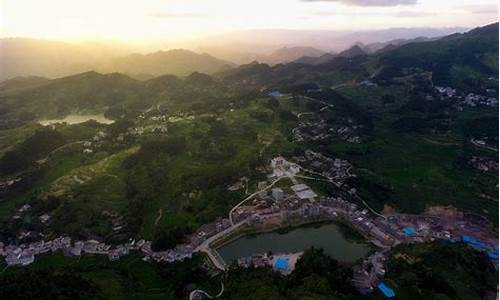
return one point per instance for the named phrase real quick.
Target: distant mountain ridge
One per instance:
(48, 58)
(255, 41)
(177, 62)
(29, 57)
(289, 54)
(457, 60)
(360, 49)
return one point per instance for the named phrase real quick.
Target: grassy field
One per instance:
(242, 144)
(11, 137)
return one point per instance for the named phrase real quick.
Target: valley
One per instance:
(184, 182)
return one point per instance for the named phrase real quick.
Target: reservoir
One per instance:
(76, 119)
(327, 236)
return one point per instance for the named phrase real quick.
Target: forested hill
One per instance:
(28, 99)
(458, 59)
(461, 60)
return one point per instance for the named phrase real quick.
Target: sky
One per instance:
(184, 19)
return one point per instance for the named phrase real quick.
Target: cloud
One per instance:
(480, 9)
(369, 2)
(175, 15)
(399, 14)
(414, 14)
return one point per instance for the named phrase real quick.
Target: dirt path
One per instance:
(439, 143)
(160, 214)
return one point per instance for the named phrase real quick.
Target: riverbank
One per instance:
(291, 239)
(348, 231)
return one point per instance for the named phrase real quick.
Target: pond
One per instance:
(330, 237)
(76, 119)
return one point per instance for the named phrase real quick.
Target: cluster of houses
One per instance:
(447, 92)
(347, 134)
(241, 183)
(332, 168)
(283, 263)
(8, 183)
(470, 99)
(118, 222)
(162, 117)
(370, 272)
(474, 100)
(21, 211)
(320, 130)
(97, 141)
(156, 124)
(484, 164)
(312, 131)
(282, 167)
(140, 130)
(24, 254)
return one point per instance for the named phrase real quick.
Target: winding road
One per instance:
(251, 196)
(197, 291)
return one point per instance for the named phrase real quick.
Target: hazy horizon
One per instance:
(267, 40)
(180, 22)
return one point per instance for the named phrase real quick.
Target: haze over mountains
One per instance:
(28, 57)
(456, 60)
(246, 46)
(32, 57)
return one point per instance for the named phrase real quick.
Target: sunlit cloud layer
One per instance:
(151, 19)
(370, 2)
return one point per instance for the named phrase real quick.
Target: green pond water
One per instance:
(76, 119)
(326, 236)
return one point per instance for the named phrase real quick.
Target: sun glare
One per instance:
(185, 19)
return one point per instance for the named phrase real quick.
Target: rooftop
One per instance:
(306, 194)
(281, 264)
(410, 231)
(387, 291)
(299, 187)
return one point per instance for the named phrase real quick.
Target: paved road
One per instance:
(194, 292)
(319, 101)
(251, 196)
(214, 257)
(484, 146)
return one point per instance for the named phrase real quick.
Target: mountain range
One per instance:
(49, 58)
(458, 60)
(28, 57)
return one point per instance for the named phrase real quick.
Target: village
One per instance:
(274, 207)
(486, 99)
(319, 130)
